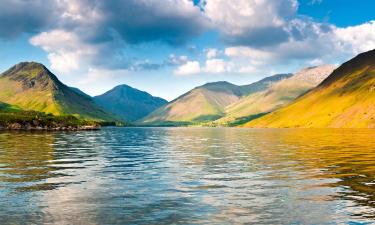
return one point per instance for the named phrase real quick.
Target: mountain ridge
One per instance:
(343, 100)
(129, 103)
(275, 96)
(31, 86)
(204, 103)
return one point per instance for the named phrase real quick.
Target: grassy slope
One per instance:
(10, 114)
(8, 108)
(262, 102)
(206, 103)
(31, 86)
(277, 95)
(345, 99)
(198, 105)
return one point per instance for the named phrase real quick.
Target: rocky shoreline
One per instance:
(29, 127)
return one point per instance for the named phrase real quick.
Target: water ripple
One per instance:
(188, 176)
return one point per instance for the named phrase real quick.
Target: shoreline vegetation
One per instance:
(32, 120)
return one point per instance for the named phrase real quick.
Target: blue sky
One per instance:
(167, 47)
(342, 13)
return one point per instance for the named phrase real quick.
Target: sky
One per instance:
(167, 47)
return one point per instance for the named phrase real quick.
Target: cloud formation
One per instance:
(190, 67)
(262, 34)
(170, 21)
(96, 30)
(255, 34)
(252, 22)
(18, 17)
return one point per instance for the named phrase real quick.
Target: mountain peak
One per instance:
(313, 75)
(122, 86)
(129, 103)
(26, 66)
(124, 90)
(31, 86)
(31, 74)
(343, 100)
(361, 61)
(31, 63)
(217, 83)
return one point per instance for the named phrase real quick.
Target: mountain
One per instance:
(275, 96)
(129, 103)
(263, 83)
(80, 92)
(344, 100)
(205, 103)
(31, 86)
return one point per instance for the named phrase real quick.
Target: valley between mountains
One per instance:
(324, 96)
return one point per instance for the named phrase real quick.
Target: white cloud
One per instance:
(190, 67)
(211, 66)
(258, 22)
(95, 75)
(89, 33)
(359, 38)
(247, 52)
(217, 66)
(264, 33)
(66, 52)
(259, 35)
(238, 17)
(177, 60)
(212, 53)
(312, 43)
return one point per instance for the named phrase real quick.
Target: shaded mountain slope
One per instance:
(129, 103)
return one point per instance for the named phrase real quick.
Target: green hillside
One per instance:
(275, 96)
(31, 86)
(205, 103)
(14, 118)
(8, 108)
(344, 100)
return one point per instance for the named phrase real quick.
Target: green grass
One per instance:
(31, 87)
(8, 108)
(39, 119)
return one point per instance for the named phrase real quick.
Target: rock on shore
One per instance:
(18, 126)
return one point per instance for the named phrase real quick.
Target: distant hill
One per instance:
(31, 86)
(344, 100)
(79, 91)
(205, 103)
(129, 103)
(275, 96)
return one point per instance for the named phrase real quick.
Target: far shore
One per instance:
(28, 127)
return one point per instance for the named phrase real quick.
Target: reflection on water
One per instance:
(188, 175)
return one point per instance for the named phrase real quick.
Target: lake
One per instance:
(188, 176)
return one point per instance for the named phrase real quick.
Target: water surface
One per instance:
(188, 176)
